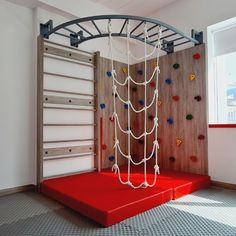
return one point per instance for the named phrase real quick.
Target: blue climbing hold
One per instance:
(170, 121)
(141, 102)
(109, 74)
(111, 158)
(168, 81)
(126, 106)
(103, 105)
(140, 72)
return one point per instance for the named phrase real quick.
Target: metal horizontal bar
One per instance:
(67, 92)
(69, 30)
(65, 46)
(69, 141)
(55, 125)
(69, 174)
(123, 26)
(96, 27)
(154, 26)
(84, 29)
(69, 108)
(164, 37)
(137, 26)
(182, 43)
(66, 60)
(136, 18)
(69, 77)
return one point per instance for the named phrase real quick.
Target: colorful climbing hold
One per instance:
(178, 142)
(168, 81)
(140, 72)
(102, 105)
(172, 159)
(201, 137)
(111, 158)
(198, 98)
(141, 102)
(175, 98)
(196, 56)
(141, 141)
(134, 89)
(193, 158)
(111, 118)
(191, 77)
(109, 74)
(150, 117)
(159, 103)
(176, 66)
(170, 121)
(125, 69)
(152, 84)
(104, 147)
(154, 64)
(189, 117)
(126, 106)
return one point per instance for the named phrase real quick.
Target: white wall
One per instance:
(191, 14)
(17, 96)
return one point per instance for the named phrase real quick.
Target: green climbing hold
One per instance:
(176, 66)
(189, 117)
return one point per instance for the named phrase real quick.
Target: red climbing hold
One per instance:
(104, 147)
(111, 119)
(193, 158)
(201, 137)
(175, 98)
(197, 56)
(153, 84)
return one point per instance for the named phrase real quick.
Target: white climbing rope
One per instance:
(130, 107)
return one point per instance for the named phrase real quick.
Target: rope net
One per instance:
(130, 107)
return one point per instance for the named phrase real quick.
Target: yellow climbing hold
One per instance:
(191, 77)
(159, 103)
(178, 142)
(124, 69)
(154, 64)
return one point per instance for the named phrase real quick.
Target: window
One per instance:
(222, 72)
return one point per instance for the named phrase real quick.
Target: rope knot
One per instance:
(156, 120)
(113, 72)
(115, 168)
(157, 169)
(156, 92)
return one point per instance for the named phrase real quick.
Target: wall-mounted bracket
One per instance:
(76, 38)
(46, 28)
(168, 46)
(198, 36)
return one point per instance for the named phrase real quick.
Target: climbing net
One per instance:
(130, 107)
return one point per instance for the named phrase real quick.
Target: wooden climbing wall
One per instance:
(105, 111)
(180, 96)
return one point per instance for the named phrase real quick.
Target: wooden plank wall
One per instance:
(191, 154)
(104, 87)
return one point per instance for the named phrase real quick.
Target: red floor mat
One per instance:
(102, 198)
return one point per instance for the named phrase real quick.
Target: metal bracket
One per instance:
(198, 36)
(168, 46)
(76, 38)
(46, 28)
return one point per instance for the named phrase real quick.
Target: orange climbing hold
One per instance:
(191, 77)
(178, 142)
(159, 103)
(124, 69)
(154, 64)
(104, 147)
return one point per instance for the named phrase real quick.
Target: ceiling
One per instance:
(135, 7)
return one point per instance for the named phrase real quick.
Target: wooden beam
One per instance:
(68, 92)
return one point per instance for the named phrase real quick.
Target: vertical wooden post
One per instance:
(97, 145)
(39, 111)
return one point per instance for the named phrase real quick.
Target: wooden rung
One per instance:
(69, 108)
(68, 174)
(66, 54)
(67, 101)
(68, 60)
(68, 150)
(65, 46)
(67, 92)
(65, 157)
(68, 141)
(69, 124)
(69, 77)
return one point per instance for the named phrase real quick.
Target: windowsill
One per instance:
(222, 125)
